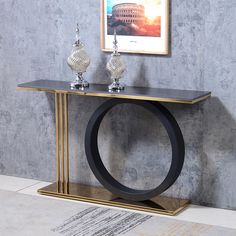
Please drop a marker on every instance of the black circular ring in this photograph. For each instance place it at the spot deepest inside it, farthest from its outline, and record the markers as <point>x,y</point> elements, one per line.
<point>101,173</point>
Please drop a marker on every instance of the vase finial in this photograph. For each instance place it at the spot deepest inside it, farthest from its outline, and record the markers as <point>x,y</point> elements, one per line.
<point>115,42</point>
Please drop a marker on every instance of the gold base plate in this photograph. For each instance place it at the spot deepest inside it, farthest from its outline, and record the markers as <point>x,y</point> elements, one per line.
<point>99,195</point>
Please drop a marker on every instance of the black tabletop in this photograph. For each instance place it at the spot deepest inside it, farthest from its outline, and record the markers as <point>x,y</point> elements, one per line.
<point>101,90</point>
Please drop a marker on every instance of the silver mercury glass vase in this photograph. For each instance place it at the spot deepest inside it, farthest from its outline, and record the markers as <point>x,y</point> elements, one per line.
<point>116,68</point>
<point>78,61</point>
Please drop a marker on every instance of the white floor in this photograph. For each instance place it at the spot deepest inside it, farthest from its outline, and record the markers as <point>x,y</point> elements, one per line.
<point>198,214</point>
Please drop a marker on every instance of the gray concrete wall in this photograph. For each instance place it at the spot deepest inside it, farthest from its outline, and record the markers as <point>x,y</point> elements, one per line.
<point>35,40</point>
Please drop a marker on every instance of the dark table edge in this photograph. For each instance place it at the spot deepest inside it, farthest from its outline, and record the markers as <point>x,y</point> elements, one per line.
<point>117,95</point>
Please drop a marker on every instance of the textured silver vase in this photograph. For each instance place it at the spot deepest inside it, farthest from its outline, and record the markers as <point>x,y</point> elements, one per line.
<point>78,61</point>
<point>116,68</point>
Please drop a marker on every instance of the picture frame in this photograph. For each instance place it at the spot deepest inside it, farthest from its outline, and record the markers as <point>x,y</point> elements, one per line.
<point>142,26</point>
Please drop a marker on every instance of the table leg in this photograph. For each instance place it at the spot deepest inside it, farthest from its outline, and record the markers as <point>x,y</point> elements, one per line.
<point>100,171</point>
<point>62,142</point>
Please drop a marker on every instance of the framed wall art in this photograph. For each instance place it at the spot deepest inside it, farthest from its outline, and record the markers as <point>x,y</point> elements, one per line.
<point>142,26</point>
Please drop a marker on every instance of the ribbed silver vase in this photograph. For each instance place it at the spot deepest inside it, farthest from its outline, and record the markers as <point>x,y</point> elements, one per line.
<point>116,68</point>
<point>78,61</point>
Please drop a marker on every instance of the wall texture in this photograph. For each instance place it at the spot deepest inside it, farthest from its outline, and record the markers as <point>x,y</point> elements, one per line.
<point>35,40</point>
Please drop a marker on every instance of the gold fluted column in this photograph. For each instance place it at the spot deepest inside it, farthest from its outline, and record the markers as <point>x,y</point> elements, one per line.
<point>58,162</point>
<point>66,142</point>
<point>62,142</point>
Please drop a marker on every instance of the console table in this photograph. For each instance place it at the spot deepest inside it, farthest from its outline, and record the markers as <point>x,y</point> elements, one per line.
<point>114,193</point>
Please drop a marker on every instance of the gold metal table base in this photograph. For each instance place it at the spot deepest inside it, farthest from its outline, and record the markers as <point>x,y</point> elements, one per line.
<point>99,195</point>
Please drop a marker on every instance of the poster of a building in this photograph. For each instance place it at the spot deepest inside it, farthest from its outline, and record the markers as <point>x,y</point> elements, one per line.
<point>142,26</point>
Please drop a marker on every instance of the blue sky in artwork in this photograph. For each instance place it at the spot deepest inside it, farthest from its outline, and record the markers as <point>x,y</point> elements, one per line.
<point>111,3</point>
